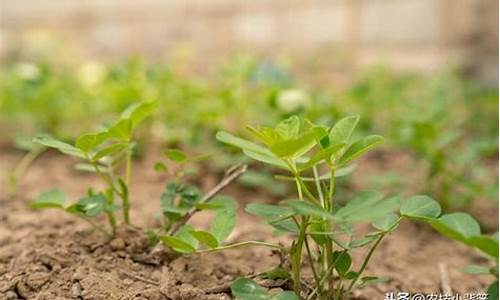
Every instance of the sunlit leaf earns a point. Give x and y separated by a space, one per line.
359 148
343 129
89 141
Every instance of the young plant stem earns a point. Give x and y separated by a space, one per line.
329 245
110 214
318 187
365 263
23 166
128 174
311 261
241 244
297 256
231 174
323 278
328 249
112 222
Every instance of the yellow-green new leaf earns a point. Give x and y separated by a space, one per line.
360 147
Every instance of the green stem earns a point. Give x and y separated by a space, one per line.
23 166
311 262
236 245
329 246
323 278
128 175
365 263
318 187
331 189
297 256
112 221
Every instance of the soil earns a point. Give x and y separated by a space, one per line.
50 255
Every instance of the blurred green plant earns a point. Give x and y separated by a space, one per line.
435 117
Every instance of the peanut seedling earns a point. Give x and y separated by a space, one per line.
323 227
108 153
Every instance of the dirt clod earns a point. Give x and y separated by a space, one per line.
117 244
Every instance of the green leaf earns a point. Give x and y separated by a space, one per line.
205 238
343 129
308 209
367 206
289 128
350 275
323 154
93 205
420 207
457 226
268 158
138 112
493 291
230 139
109 150
389 222
268 211
342 261
276 273
318 226
183 241
50 199
177 244
225 218
160 167
247 289
286 226
297 147
486 244
175 155
89 141
363 241
61 146
476 270
121 130
359 148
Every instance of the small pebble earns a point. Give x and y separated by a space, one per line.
117 244
10 295
76 290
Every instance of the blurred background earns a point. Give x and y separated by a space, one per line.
322 38
423 73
